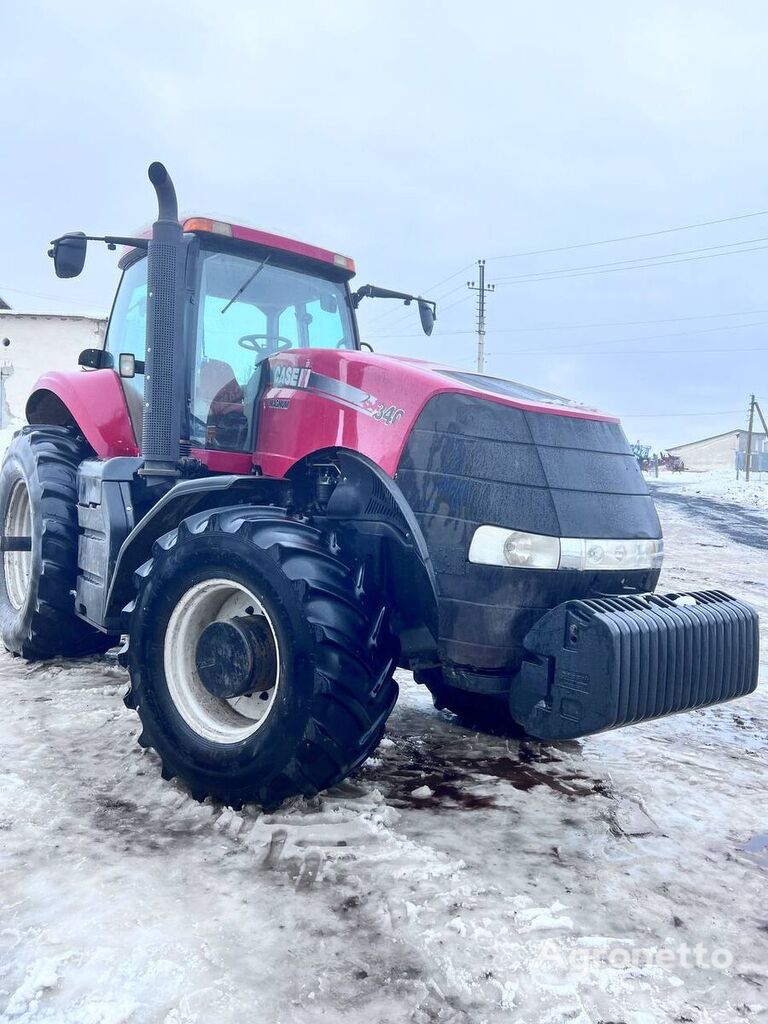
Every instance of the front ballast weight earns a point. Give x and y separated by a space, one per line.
597 664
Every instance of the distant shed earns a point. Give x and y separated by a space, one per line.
35 342
718 452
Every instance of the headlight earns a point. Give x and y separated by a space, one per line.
493 545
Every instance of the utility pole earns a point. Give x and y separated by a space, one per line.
765 431
749 434
481 288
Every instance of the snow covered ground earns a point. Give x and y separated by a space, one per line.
720 484
456 878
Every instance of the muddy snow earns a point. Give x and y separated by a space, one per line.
457 877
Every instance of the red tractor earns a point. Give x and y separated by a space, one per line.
274 519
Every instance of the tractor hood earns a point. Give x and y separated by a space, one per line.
371 403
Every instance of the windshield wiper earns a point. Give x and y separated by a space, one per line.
247 281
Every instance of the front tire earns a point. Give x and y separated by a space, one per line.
316 699
38 508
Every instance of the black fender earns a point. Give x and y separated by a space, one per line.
370 506
366 506
183 500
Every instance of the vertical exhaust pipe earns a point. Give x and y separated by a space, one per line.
163 379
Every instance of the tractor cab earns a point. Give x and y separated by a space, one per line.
251 295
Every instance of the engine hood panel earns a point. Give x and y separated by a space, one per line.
473 461
314 399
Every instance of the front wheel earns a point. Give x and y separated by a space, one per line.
261 664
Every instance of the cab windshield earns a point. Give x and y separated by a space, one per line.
250 310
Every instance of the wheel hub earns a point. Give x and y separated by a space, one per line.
236 657
215 718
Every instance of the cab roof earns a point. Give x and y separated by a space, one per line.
208 226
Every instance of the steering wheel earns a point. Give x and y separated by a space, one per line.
250 342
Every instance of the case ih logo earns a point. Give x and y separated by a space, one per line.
291 376
287 376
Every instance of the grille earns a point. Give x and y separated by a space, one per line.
381 504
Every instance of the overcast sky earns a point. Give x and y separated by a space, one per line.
417 137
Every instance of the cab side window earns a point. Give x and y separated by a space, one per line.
127 332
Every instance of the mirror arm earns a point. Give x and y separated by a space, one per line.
112 241
373 291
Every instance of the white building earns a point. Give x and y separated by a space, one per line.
32 343
718 452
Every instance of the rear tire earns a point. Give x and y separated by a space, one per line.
38 498
327 701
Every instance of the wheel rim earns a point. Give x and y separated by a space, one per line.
217 719
17 565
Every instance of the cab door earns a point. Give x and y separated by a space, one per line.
127 334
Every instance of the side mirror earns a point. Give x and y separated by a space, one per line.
427 314
95 359
128 365
68 254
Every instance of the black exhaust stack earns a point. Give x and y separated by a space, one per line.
163 390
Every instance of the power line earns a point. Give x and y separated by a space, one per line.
636 323
458 302
607 268
614 323
639 337
631 238
409 314
50 298
432 287
670 415
665 263
625 352
445 280
641 262
586 245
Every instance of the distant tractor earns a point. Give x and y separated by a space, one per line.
273 519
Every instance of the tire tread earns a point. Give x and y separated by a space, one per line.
354 689
53 629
